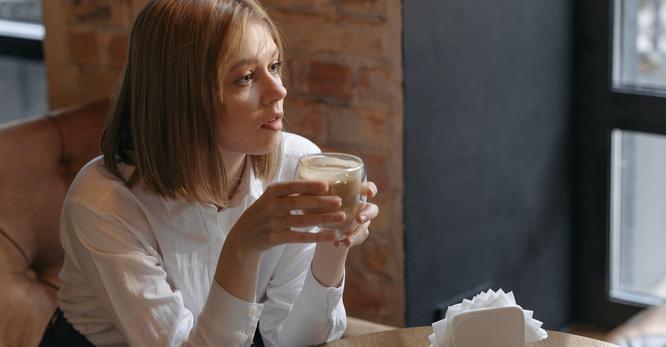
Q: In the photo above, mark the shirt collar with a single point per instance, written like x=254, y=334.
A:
x=249, y=186
x=256, y=188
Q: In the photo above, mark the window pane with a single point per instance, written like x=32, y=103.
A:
x=22, y=81
x=29, y=11
x=638, y=218
x=640, y=43
x=22, y=88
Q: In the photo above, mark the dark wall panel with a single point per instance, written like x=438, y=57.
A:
x=488, y=153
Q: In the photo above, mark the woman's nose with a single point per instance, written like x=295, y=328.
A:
x=274, y=90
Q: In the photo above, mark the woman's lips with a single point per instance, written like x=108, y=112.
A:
x=275, y=124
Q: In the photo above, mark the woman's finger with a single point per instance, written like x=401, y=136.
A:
x=297, y=187
x=349, y=233
x=369, y=189
x=289, y=236
x=306, y=220
x=358, y=237
x=364, y=216
x=323, y=203
x=367, y=213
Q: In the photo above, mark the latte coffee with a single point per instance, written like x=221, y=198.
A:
x=344, y=174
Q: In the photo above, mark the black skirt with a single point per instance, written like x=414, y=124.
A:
x=60, y=333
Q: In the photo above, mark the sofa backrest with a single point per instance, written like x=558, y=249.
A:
x=38, y=160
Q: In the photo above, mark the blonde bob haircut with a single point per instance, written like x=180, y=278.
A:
x=165, y=117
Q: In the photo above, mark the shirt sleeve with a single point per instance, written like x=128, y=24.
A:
x=131, y=283
x=298, y=310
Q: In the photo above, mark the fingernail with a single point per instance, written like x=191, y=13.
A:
x=363, y=218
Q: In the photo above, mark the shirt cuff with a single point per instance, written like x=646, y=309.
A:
x=318, y=293
x=228, y=319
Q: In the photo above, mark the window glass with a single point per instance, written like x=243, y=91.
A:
x=27, y=11
x=638, y=221
x=22, y=79
x=640, y=44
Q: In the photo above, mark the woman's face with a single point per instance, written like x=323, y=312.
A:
x=252, y=96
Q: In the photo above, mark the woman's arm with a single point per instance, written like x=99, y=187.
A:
x=328, y=264
x=130, y=282
x=304, y=297
x=298, y=310
x=266, y=224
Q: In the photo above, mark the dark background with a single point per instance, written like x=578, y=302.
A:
x=488, y=154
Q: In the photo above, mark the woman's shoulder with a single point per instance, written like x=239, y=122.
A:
x=296, y=145
x=104, y=212
x=94, y=185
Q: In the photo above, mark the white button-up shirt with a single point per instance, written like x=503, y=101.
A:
x=139, y=268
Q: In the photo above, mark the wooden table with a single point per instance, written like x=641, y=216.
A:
x=418, y=337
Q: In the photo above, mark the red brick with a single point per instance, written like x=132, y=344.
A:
x=306, y=118
x=374, y=84
x=363, y=296
x=377, y=255
x=384, y=222
x=110, y=14
x=85, y=47
x=374, y=298
x=329, y=79
x=309, y=35
x=375, y=8
x=137, y=6
x=370, y=129
x=355, y=258
x=303, y=6
x=100, y=83
x=295, y=76
x=377, y=165
x=118, y=51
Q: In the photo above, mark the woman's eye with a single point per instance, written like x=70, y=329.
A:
x=246, y=79
x=275, y=67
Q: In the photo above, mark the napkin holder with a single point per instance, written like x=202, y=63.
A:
x=496, y=326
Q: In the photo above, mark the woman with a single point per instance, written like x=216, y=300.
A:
x=180, y=233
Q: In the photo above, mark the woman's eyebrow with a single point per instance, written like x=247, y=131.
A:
x=249, y=61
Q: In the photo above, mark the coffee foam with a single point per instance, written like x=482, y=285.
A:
x=330, y=169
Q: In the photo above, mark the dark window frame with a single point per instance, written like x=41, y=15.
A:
x=600, y=108
x=21, y=46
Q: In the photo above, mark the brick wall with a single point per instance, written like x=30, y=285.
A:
x=345, y=93
x=85, y=47
x=345, y=85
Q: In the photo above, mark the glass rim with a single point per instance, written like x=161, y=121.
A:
x=351, y=157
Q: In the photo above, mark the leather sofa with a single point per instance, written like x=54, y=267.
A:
x=39, y=158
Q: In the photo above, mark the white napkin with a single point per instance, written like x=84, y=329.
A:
x=442, y=335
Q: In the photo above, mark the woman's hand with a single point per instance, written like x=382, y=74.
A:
x=359, y=231
x=328, y=264
x=268, y=222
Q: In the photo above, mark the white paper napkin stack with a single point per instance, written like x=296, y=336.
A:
x=442, y=335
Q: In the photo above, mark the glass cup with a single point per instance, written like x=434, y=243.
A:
x=345, y=175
